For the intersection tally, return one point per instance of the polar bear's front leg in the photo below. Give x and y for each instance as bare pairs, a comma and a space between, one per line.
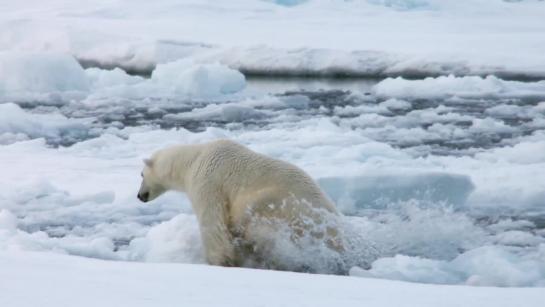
212, 212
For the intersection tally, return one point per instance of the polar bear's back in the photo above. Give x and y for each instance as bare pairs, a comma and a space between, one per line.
243, 173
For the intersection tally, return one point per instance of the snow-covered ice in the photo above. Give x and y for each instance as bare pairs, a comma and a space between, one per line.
56, 280
316, 37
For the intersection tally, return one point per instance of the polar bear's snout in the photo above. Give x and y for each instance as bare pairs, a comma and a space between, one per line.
143, 196
144, 191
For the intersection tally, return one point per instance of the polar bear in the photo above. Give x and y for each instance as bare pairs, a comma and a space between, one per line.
244, 201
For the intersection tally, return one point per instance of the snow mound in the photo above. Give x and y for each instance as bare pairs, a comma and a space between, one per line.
33, 76
186, 78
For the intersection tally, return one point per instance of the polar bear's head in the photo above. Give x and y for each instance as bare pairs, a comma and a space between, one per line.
166, 170
151, 186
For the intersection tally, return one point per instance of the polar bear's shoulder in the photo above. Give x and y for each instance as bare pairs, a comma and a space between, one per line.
220, 144
225, 148
224, 144
179, 151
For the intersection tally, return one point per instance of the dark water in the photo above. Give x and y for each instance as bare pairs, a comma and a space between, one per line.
428, 126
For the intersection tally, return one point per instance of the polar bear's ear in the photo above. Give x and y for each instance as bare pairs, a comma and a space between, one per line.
148, 162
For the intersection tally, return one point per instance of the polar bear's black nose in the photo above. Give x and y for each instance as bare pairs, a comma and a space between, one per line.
143, 197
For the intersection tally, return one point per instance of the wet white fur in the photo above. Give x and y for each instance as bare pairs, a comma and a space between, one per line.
233, 190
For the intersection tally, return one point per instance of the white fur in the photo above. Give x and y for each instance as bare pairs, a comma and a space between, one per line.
239, 196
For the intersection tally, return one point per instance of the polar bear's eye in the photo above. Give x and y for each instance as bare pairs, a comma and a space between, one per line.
142, 174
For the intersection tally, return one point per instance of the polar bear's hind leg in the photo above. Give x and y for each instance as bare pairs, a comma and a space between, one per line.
212, 212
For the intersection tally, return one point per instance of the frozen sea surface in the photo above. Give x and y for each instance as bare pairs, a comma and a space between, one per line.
441, 180
316, 37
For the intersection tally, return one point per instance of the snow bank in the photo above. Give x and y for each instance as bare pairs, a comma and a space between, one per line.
305, 62
350, 38
465, 87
